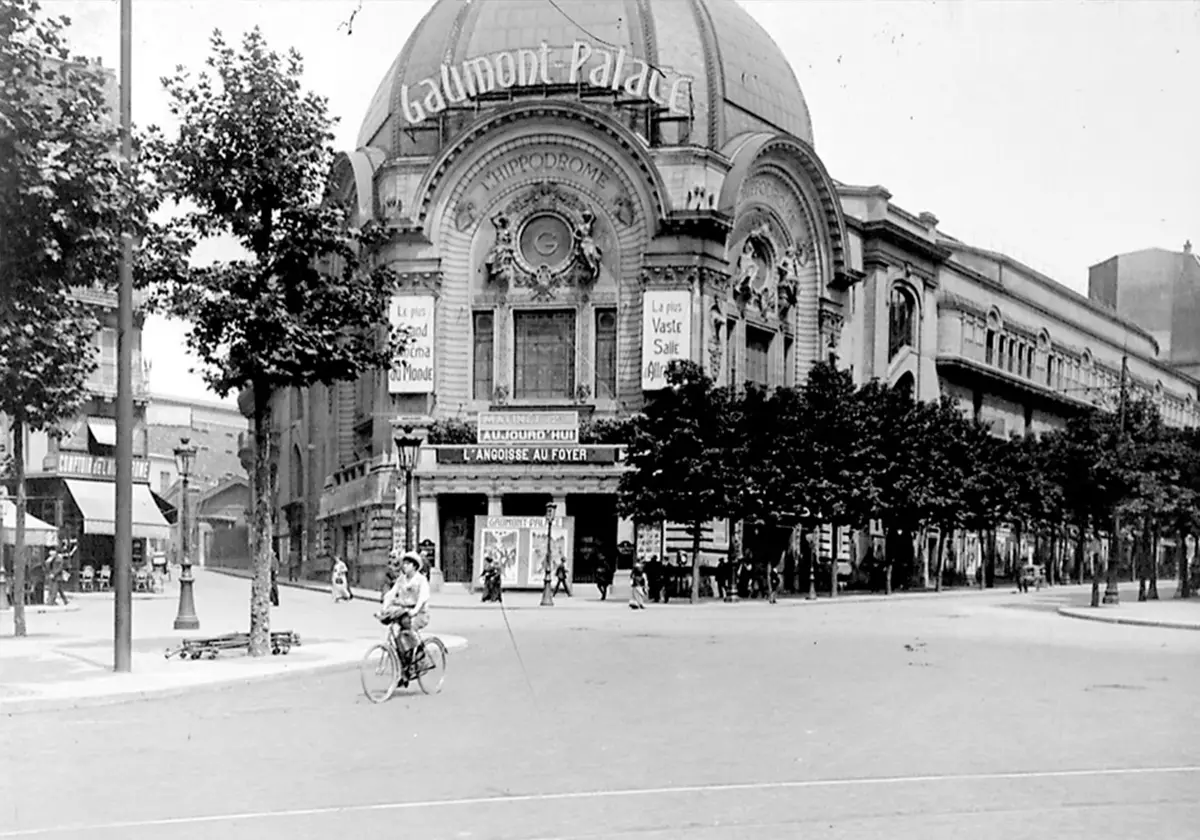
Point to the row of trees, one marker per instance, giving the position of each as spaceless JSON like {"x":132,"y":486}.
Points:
{"x":248,"y":158}
{"x":833,"y":453}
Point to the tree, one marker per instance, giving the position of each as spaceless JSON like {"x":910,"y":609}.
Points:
{"x":65,"y":201}
{"x":252,"y":159}
{"x":680,"y":457}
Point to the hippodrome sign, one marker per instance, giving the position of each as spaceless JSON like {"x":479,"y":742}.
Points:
{"x":546,"y":65}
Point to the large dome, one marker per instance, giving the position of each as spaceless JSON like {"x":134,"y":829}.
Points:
{"x":737,"y":79}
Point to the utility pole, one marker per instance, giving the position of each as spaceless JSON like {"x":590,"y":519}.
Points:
{"x":123,"y":531}
{"x":1112,"y":593}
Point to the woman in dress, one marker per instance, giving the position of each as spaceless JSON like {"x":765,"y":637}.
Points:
{"x":637,"y":578}
{"x":341,"y":581}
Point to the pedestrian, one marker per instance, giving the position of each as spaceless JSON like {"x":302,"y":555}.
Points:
{"x":491,"y":581}
{"x":773,"y":582}
{"x":637,"y":580}
{"x":55,"y":572}
{"x":604,"y":578}
{"x":560,"y":575}
{"x":294,"y":563}
{"x":722,"y":577}
{"x":340,"y":581}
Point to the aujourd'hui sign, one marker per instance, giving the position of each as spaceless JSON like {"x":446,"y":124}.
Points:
{"x":582,"y":63}
{"x":527,"y":427}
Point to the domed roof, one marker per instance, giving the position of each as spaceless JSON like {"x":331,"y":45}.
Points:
{"x":736,"y":77}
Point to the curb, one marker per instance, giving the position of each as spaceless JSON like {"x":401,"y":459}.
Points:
{"x":1087,"y":614}
{"x":43,"y":609}
{"x":29,"y":705}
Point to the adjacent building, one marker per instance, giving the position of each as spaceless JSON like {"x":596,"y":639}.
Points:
{"x":578,"y":201}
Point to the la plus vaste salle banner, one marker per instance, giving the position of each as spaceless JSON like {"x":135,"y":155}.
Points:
{"x":666,"y":333}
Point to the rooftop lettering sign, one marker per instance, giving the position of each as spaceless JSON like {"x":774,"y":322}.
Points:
{"x":582,"y":63}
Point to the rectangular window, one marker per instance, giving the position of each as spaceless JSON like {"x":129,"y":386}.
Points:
{"x":483,"y":331}
{"x":789,"y":362}
{"x":544,"y":354}
{"x":730,"y":354}
{"x":758,"y":351}
{"x":1049,"y":370}
{"x":990,"y":354}
{"x":606,"y":354}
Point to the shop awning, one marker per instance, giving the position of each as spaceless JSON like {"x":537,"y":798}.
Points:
{"x":37,"y":532}
{"x":103,"y":430}
{"x":97,"y":501}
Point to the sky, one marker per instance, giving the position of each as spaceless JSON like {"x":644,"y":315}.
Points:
{"x":1058,"y":133}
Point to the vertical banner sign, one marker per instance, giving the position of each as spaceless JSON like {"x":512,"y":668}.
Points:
{"x":666,"y":334}
{"x":412,"y":372}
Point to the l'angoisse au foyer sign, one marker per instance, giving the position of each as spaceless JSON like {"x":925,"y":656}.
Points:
{"x":582,"y":63}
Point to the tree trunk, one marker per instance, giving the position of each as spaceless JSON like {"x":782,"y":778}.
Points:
{"x":735,"y":552}
{"x":833,"y":565}
{"x":1139,"y":560}
{"x":695,"y":593}
{"x":1152,"y":569}
{"x":260,"y":587}
{"x":1184,"y":581}
{"x":1080,"y":543}
{"x":944,"y":534}
{"x":18,"y":427}
{"x":888,"y":538}
{"x":989,"y":563}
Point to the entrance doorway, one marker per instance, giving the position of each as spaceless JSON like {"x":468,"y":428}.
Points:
{"x":457,"y":513}
{"x":525,"y":504}
{"x":595,"y":533}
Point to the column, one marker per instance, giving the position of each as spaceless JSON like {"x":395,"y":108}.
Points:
{"x":495,"y":506}
{"x":428,"y":527}
{"x":560,"y":504}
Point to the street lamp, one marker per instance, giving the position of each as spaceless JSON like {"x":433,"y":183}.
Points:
{"x":407,"y":449}
{"x":186,"y":618}
{"x":547,"y":594}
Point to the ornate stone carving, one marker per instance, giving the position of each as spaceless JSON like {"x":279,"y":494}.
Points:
{"x":622,"y":207}
{"x":794,"y":258}
{"x":545,"y":240}
{"x":754,"y":282}
{"x":831,"y":327}
{"x":501,"y":261}
{"x":673,"y":276}
{"x":430,"y":281}
{"x":717,"y":321}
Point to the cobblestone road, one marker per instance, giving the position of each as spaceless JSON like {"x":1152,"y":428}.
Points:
{"x":988,"y":716}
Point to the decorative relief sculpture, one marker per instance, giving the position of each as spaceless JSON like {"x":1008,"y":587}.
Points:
{"x":623,"y":209}
{"x":545,"y":240}
{"x":714,"y":343}
{"x":501,"y":260}
{"x":831,"y":327}
{"x":588,"y":252}
{"x":753,"y":280}
{"x":466,"y":216}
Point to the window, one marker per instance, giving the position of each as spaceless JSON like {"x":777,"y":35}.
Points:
{"x":758,"y":351}
{"x":606,"y":353}
{"x":484,"y":333}
{"x":297,"y":487}
{"x":1050,"y":370}
{"x":106,"y":345}
{"x":990,"y":356}
{"x":164,"y":482}
{"x":544,"y":354}
{"x":789,"y":362}
{"x":902,"y":309}
{"x":730,"y":355}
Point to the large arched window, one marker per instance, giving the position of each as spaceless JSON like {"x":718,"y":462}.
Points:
{"x":902,"y":320}
{"x":297,"y":474}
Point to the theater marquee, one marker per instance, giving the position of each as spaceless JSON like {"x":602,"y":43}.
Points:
{"x":582,"y":63}
{"x":528,"y":454}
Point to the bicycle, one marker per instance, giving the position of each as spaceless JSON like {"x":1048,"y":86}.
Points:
{"x":384,"y":664}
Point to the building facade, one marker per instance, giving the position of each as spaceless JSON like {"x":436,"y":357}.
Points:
{"x":579,"y":200}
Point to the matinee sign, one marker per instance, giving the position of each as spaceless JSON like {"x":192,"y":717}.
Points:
{"x":582,"y":63}
{"x":527,"y":427}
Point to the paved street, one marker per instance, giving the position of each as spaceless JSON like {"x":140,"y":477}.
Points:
{"x":988,"y":716}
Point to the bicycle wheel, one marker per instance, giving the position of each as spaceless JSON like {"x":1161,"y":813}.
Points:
{"x":380,"y":673}
{"x":431,"y":665}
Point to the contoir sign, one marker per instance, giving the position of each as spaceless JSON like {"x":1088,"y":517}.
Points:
{"x":582,"y":63}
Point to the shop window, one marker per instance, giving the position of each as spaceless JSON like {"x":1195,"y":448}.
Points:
{"x":902,"y":312}
{"x":544,"y":354}
{"x":606,"y":353}
{"x":758,"y":352}
{"x":483,"y":330}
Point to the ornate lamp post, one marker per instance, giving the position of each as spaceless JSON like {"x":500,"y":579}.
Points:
{"x":186,"y":618}
{"x":547,"y":593}
{"x":408,"y":447}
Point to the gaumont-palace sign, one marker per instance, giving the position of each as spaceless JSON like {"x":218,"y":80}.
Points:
{"x":582,"y":63}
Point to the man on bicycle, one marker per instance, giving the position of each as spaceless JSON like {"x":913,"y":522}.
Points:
{"x":407,"y":602}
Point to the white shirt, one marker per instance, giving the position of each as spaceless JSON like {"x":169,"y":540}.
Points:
{"x":409,"y":592}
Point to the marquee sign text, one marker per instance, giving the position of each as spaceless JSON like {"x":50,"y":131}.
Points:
{"x":583,"y":63}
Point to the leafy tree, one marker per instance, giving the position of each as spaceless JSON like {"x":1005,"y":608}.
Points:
{"x":251,"y":158}
{"x":679,"y":453}
{"x":66,"y":200}
{"x":450,"y":431}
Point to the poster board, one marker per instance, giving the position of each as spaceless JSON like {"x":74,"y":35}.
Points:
{"x":518,"y":543}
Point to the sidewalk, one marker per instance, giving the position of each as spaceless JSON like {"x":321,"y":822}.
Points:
{"x":1167,"y":612}
{"x":457,"y":596}
{"x":66,"y":660}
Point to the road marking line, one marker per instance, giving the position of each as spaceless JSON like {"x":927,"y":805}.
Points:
{"x":604,"y":794}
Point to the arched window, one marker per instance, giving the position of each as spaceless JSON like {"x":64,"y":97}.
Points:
{"x":297,"y":474}
{"x":902,"y":320}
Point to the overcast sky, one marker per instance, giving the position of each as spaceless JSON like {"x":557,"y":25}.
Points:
{"x":1059,"y":133}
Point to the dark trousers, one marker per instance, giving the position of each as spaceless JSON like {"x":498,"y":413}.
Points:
{"x":563,"y":583}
